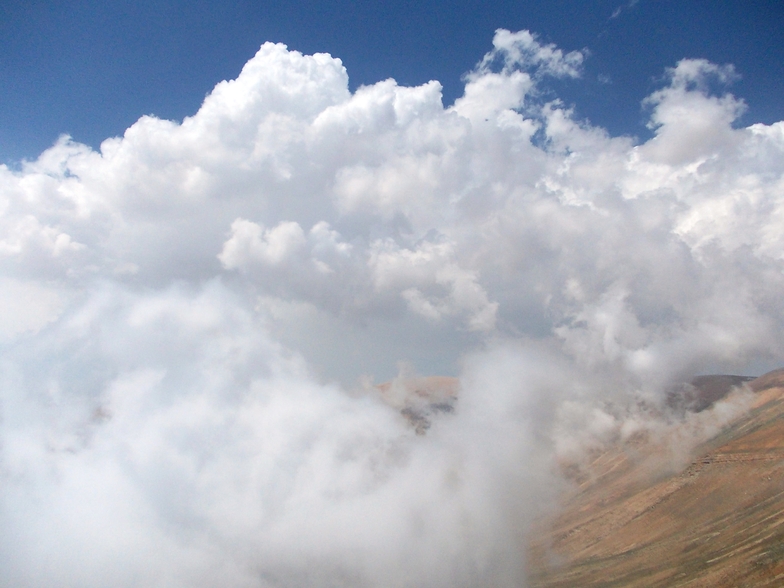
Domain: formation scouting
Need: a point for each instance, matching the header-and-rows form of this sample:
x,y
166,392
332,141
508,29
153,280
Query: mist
x,y
196,316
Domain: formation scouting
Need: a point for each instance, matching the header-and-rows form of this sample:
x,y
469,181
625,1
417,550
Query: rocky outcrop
x,y
420,399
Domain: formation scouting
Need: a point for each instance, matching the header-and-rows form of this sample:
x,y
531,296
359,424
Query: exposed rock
x,y
421,399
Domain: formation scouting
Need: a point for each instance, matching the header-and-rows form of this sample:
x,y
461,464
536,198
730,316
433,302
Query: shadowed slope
x,y
704,391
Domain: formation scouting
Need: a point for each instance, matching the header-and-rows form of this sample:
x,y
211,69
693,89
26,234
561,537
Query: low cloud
x,y
196,305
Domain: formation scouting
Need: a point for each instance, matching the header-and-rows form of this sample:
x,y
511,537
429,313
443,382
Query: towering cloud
x,y
187,313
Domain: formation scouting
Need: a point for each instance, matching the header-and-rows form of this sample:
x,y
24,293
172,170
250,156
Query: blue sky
x,y
90,68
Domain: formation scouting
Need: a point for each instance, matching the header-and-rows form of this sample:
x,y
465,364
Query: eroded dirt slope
x,y
717,522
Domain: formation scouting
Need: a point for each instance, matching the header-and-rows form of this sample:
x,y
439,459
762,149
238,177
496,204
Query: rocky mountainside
x,y
716,522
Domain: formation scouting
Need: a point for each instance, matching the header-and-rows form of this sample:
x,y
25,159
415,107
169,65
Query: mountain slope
x,y
717,522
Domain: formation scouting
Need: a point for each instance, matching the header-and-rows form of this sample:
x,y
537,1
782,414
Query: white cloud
x,y
249,242
432,265
26,307
522,50
522,60
180,306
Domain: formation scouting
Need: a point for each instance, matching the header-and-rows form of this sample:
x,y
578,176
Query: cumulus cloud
x,y
190,308
249,243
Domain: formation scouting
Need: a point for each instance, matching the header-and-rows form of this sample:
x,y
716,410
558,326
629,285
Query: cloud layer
x,y
188,311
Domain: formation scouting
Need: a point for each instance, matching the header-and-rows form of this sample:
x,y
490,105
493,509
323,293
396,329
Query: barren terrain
x,y
717,522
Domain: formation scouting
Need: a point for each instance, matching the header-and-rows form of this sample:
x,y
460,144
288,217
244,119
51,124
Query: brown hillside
x,y
719,522
419,399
